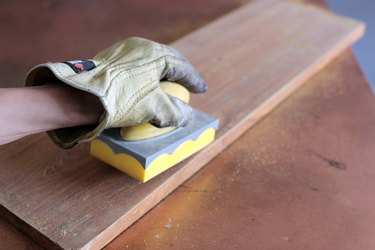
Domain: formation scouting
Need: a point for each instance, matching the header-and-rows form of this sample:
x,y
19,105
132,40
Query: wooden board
x,y
277,194
252,58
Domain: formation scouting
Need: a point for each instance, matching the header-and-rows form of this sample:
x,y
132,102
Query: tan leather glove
x,y
126,79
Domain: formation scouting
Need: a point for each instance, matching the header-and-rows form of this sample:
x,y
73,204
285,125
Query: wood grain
x,y
252,58
268,190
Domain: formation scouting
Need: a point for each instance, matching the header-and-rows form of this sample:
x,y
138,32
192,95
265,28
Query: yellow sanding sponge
x,y
144,151
144,159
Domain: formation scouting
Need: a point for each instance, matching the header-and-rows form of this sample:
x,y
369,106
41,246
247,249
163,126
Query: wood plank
x,y
252,58
277,194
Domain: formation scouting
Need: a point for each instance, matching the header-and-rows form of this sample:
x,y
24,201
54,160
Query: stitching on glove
x,y
131,75
65,80
121,71
140,94
140,68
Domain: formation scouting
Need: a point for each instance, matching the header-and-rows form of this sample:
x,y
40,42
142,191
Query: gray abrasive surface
x,y
146,150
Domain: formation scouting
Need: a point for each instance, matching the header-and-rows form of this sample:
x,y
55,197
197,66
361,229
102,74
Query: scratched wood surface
x,y
302,178
68,199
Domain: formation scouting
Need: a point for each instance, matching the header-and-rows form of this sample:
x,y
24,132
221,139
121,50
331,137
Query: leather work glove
x,y
125,77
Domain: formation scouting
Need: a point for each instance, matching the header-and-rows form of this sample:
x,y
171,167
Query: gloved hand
x,y
125,77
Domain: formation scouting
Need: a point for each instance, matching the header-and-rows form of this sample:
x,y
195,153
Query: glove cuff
x,y
67,73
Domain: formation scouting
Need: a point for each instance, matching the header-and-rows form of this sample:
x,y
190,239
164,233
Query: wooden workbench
x,y
301,178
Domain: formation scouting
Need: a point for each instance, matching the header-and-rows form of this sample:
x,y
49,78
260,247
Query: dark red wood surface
x,y
71,200
133,237
302,178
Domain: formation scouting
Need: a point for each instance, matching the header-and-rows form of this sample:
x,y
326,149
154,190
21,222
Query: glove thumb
x,y
171,112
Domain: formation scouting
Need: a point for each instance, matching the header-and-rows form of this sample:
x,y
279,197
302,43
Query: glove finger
x,y
172,112
178,69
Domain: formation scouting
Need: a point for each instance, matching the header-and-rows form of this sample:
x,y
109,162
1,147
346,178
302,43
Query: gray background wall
x,y
365,49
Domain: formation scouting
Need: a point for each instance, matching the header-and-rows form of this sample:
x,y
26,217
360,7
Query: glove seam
x,y
140,67
150,87
129,76
137,96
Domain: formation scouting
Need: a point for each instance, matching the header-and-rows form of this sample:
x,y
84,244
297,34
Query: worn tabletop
x,y
301,178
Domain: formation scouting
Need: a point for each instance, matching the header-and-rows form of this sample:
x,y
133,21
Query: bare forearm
x,y
25,111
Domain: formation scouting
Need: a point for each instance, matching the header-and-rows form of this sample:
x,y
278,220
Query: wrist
x,y
76,107
42,108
